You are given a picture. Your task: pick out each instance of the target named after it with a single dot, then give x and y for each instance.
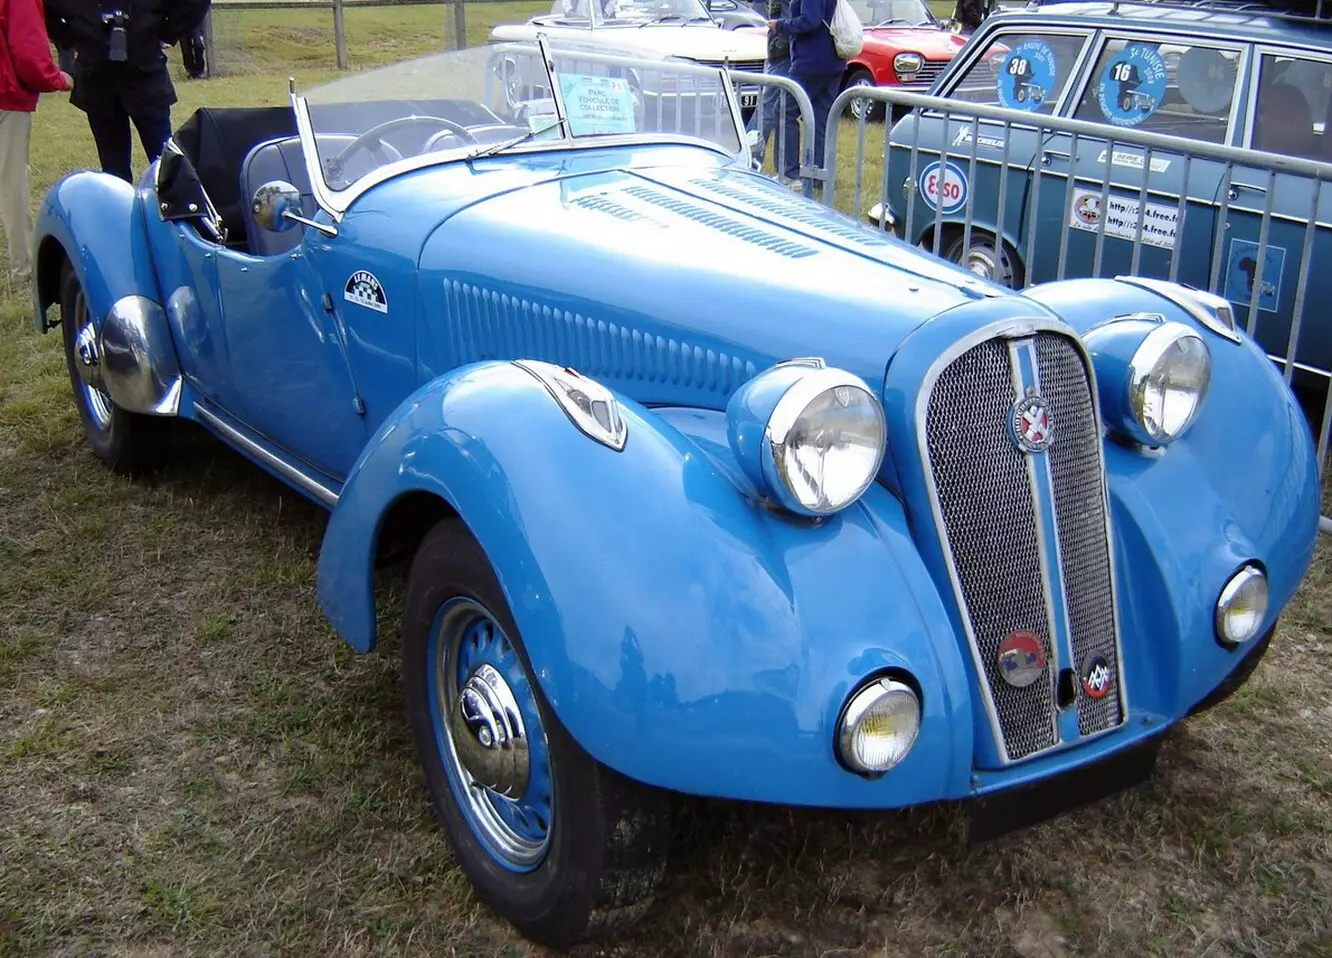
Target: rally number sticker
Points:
(944, 186)
(1132, 85)
(1026, 76)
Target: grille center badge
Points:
(1096, 676)
(1030, 422)
(1021, 659)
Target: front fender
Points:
(94, 221)
(685, 635)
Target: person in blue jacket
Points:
(815, 64)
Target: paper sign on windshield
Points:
(597, 105)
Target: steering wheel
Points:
(372, 140)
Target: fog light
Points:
(1242, 607)
(878, 726)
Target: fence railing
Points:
(1029, 198)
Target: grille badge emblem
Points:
(1096, 677)
(1021, 659)
(1030, 422)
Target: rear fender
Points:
(685, 635)
(93, 221)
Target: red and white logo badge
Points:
(1096, 676)
(1021, 659)
(1031, 423)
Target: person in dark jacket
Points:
(970, 13)
(769, 116)
(120, 70)
(815, 64)
(26, 70)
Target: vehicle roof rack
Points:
(1316, 12)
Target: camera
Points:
(115, 22)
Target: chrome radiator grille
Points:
(1026, 538)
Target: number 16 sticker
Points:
(944, 185)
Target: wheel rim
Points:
(99, 403)
(490, 736)
(985, 261)
(860, 106)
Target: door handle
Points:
(1234, 191)
(1047, 154)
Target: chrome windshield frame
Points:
(336, 202)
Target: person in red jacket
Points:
(26, 69)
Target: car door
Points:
(288, 377)
(1290, 113)
(1024, 69)
(1104, 195)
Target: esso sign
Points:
(944, 185)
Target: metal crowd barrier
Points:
(965, 125)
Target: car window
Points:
(1021, 71)
(1165, 87)
(911, 13)
(1291, 116)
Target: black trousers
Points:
(111, 133)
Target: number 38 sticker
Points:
(944, 185)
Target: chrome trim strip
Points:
(234, 436)
(1193, 302)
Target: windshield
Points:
(464, 104)
(911, 13)
(628, 12)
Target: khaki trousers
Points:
(15, 203)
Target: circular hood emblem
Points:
(1021, 659)
(1030, 422)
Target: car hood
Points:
(697, 41)
(675, 284)
(929, 42)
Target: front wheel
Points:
(860, 106)
(553, 841)
(986, 257)
(127, 442)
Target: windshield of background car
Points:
(1021, 70)
(628, 12)
(1294, 108)
(899, 13)
(1172, 87)
(457, 105)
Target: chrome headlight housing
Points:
(1241, 608)
(1168, 379)
(878, 726)
(908, 64)
(1152, 375)
(809, 437)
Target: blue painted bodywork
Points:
(684, 631)
(1029, 172)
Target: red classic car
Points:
(905, 46)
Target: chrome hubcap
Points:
(89, 366)
(489, 732)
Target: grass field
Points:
(191, 762)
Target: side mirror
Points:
(271, 204)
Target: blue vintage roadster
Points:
(707, 489)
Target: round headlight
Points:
(908, 63)
(878, 726)
(1168, 379)
(1242, 607)
(823, 443)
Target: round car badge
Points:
(1021, 659)
(1030, 422)
(1096, 676)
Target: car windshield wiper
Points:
(661, 19)
(508, 144)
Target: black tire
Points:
(129, 443)
(608, 835)
(986, 248)
(862, 77)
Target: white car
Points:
(658, 28)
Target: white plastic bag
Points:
(847, 33)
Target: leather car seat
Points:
(1284, 123)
